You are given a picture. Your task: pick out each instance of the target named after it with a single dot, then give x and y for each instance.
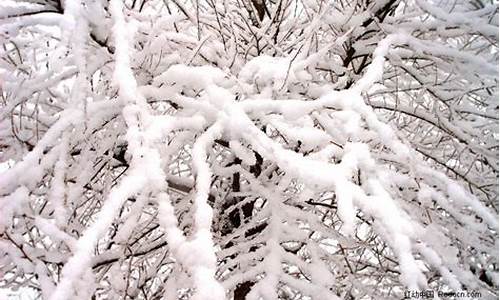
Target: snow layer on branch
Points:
(136, 180)
(81, 259)
(201, 247)
(458, 18)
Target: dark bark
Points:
(260, 6)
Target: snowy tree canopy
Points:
(248, 149)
